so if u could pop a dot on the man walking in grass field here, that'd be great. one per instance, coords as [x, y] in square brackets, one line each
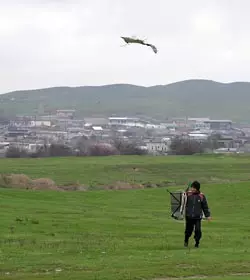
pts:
[194, 204]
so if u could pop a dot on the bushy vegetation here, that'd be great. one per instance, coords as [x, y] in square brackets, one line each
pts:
[82, 149]
[87, 147]
[186, 146]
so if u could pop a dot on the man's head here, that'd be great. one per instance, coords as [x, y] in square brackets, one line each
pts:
[195, 187]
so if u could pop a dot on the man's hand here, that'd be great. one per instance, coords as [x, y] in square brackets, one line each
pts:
[209, 218]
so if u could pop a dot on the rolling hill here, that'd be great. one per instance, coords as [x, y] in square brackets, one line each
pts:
[194, 98]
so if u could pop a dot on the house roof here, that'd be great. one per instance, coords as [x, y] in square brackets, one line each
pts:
[123, 118]
[97, 128]
[96, 121]
[217, 121]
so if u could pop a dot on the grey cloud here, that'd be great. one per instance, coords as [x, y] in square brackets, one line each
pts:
[51, 43]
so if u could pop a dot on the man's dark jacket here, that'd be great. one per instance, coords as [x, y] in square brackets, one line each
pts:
[195, 206]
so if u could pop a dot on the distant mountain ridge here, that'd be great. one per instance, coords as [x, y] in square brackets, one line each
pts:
[192, 98]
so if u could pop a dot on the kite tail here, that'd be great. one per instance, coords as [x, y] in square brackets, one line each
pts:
[183, 204]
[184, 201]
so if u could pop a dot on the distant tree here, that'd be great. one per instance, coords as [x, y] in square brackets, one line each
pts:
[83, 145]
[59, 150]
[128, 148]
[181, 146]
[42, 151]
[149, 132]
[15, 152]
[54, 150]
[102, 149]
[213, 142]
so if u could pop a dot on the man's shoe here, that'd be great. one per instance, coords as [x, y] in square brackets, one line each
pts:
[196, 245]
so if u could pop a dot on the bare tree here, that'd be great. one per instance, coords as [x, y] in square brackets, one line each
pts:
[181, 146]
[59, 150]
[15, 152]
[102, 149]
[83, 145]
[128, 148]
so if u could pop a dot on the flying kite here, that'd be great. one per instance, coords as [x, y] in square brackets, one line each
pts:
[130, 40]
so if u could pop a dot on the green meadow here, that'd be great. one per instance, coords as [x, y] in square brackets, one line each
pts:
[96, 172]
[124, 234]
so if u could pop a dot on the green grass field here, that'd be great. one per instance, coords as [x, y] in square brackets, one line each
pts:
[123, 235]
[102, 171]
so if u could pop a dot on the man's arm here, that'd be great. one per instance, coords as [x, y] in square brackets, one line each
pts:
[205, 207]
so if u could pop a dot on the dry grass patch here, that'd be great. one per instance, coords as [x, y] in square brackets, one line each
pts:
[22, 181]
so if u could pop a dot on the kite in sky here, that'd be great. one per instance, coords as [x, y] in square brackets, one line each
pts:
[130, 40]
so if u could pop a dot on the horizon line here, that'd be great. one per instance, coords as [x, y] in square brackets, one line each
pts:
[125, 84]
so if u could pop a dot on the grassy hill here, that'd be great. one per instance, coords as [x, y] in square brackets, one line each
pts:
[194, 98]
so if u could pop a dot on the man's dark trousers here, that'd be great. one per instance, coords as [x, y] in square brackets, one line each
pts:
[193, 224]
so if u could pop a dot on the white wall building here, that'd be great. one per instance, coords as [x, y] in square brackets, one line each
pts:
[39, 123]
[198, 136]
[126, 121]
[65, 113]
[155, 126]
[161, 146]
[157, 147]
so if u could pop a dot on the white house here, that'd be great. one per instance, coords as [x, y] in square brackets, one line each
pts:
[126, 121]
[155, 147]
[65, 113]
[227, 151]
[198, 136]
[219, 124]
[4, 146]
[39, 123]
[155, 126]
[97, 128]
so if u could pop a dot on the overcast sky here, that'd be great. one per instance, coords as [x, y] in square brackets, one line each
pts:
[46, 43]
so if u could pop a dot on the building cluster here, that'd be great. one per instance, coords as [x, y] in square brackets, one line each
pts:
[155, 136]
